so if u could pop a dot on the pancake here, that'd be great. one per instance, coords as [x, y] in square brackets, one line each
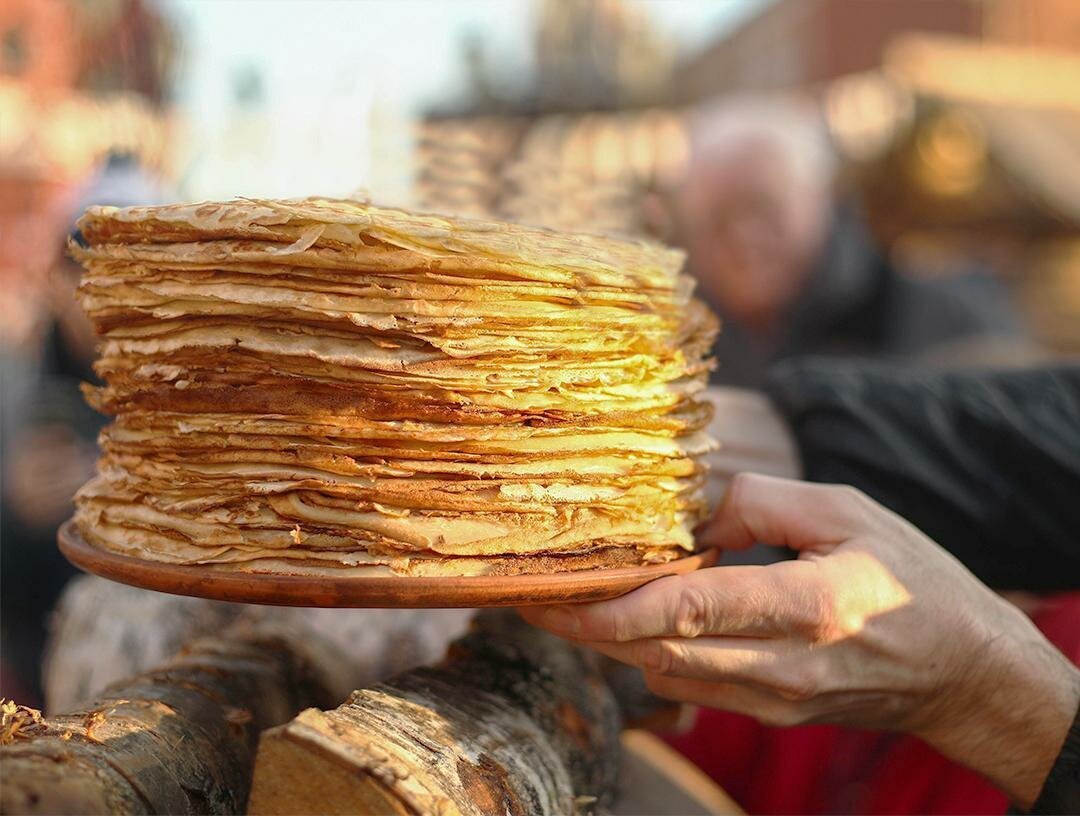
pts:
[326, 387]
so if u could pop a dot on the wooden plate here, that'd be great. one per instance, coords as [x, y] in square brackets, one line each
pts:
[361, 592]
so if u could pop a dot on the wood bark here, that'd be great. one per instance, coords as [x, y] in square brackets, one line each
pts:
[178, 739]
[104, 632]
[514, 721]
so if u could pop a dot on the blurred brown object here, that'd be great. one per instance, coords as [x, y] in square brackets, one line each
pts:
[581, 172]
[799, 44]
[594, 54]
[974, 157]
[1052, 296]
[973, 141]
[581, 146]
[78, 79]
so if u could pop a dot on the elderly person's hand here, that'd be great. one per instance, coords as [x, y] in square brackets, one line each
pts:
[873, 625]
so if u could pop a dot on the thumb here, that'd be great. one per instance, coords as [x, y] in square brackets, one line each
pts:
[784, 513]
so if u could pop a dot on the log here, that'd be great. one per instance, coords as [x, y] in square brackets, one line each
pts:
[178, 739]
[103, 632]
[513, 721]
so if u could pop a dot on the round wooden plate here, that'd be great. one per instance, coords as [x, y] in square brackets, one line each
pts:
[361, 592]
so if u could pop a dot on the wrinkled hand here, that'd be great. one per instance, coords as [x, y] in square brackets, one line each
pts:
[873, 625]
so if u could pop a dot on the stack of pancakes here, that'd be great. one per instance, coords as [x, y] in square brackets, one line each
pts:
[327, 387]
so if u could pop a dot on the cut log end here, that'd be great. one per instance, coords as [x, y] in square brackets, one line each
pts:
[513, 722]
[178, 739]
[299, 774]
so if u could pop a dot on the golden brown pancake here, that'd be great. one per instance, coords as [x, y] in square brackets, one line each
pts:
[327, 387]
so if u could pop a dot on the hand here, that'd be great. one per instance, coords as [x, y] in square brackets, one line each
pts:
[873, 626]
[753, 436]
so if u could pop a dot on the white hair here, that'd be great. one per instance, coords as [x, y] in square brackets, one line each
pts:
[793, 128]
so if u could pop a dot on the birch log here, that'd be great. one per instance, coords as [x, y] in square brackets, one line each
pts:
[179, 739]
[514, 721]
[103, 632]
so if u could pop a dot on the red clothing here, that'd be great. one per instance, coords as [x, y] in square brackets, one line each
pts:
[828, 769]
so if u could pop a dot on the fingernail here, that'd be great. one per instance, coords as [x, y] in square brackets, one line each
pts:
[561, 619]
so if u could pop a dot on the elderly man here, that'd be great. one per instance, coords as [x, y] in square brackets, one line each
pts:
[788, 261]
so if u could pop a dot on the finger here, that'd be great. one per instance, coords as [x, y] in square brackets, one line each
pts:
[740, 699]
[741, 600]
[788, 671]
[790, 598]
[737, 660]
[786, 513]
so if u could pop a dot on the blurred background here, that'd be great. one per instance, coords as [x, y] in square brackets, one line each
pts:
[889, 179]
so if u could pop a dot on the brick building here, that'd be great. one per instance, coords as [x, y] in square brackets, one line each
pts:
[804, 43]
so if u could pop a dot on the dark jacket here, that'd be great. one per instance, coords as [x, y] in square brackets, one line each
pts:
[985, 463]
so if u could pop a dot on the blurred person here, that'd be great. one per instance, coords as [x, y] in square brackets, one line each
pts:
[790, 265]
[50, 446]
[874, 625]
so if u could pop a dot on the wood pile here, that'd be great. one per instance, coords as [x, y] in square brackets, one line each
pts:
[242, 717]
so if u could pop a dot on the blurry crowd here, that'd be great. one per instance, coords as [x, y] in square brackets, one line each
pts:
[49, 434]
